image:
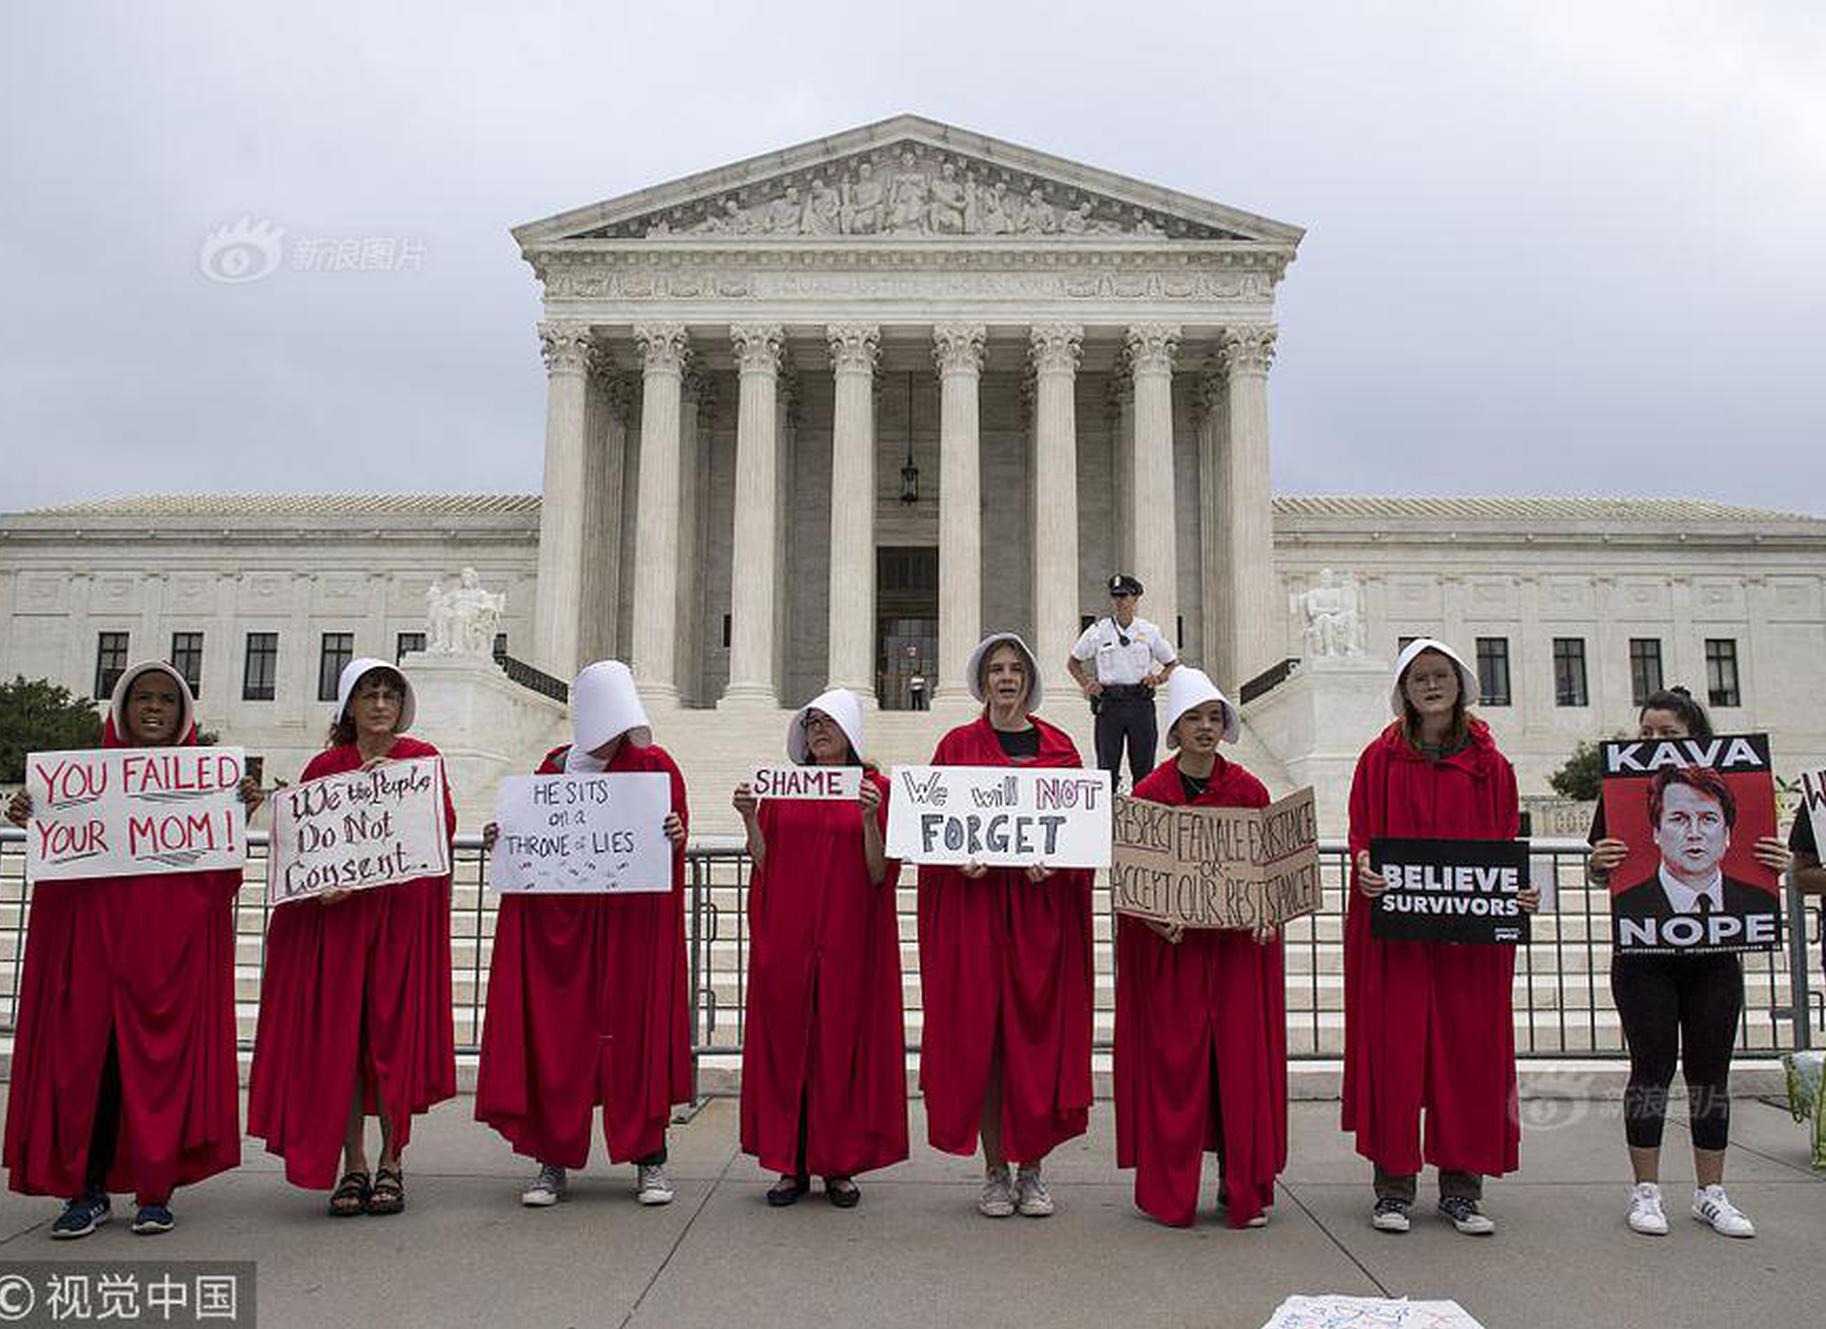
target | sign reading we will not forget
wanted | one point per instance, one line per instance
(1000, 817)
(582, 834)
(123, 811)
(1216, 867)
(361, 829)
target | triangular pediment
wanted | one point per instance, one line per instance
(904, 180)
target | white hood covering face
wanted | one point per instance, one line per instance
(117, 701)
(1188, 688)
(973, 672)
(351, 675)
(605, 705)
(1467, 676)
(838, 703)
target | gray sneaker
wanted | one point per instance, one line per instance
(652, 1185)
(998, 1193)
(1031, 1196)
(1466, 1216)
(547, 1188)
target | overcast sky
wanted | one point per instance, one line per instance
(1551, 248)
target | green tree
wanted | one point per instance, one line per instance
(39, 716)
(1579, 777)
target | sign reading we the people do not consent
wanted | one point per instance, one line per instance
(813, 782)
(120, 811)
(1216, 867)
(1450, 890)
(360, 829)
(582, 834)
(1000, 817)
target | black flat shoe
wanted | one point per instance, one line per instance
(787, 1190)
(842, 1192)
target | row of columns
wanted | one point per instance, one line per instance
(1240, 604)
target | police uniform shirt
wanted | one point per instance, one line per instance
(1119, 665)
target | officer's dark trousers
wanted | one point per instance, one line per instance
(1126, 717)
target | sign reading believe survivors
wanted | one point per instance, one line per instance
(1216, 867)
(121, 811)
(359, 829)
(582, 834)
(1000, 817)
(1450, 890)
(806, 782)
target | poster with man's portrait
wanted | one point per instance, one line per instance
(1691, 811)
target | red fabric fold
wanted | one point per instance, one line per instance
(824, 1026)
(1201, 1045)
(587, 1008)
(360, 988)
(1429, 1025)
(1005, 963)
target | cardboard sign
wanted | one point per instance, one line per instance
(119, 812)
(582, 834)
(358, 830)
(1691, 811)
(1451, 890)
(1813, 802)
(1216, 867)
(1000, 817)
(829, 783)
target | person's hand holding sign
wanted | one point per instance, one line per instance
(1528, 899)
(869, 795)
(1771, 853)
(674, 829)
(252, 795)
(490, 833)
(1171, 933)
(974, 870)
(1371, 882)
(19, 809)
(1038, 872)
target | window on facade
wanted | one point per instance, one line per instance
(1569, 672)
(407, 644)
(187, 658)
(1493, 670)
(500, 645)
(1402, 643)
(1644, 668)
(260, 671)
(110, 662)
(1721, 672)
(338, 650)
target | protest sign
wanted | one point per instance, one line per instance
(1216, 867)
(1691, 811)
(1334, 1311)
(1450, 890)
(1000, 817)
(1813, 803)
(123, 811)
(357, 830)
(582, 834)
(809, 782)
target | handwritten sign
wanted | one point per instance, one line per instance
(358, 830)
(582, 834)
(1450, 890)
(809, 782)
(1340, 1312)
(1813, 802)
(1000, 817)
(124, 811)
(1216, 867)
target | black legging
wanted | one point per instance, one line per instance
(104, 1135)
(1686, 1008)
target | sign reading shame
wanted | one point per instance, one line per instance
(808, 782)
(1000, 816)
(1450, 890)
(582, 834)
(359, 829)
(1207, 867)
(122, 811)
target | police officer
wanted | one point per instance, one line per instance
(1131, 658)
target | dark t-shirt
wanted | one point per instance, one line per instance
(1193, 785)
(1020, 744)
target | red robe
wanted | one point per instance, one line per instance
(586, 1006)
(360, 987)
(824, 1025)
(149, 960)
(1429, 1024)
(1005, 964)
(1213, 1005)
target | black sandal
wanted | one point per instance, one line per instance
(787, 1190)
(351, 1195)
(842, 1192)
(389, 1193)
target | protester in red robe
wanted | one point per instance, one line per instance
(586, 993)
(355, 1007)
(1428, 1025)
(124, 1055)
(1201, 1013)
(824, 1081)
(1005, 966)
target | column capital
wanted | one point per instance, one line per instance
(855, 347)
(1151, 347)
(1247, 348)
(566, 346)
(1056, 347)
(757, 347)
(663, 347)
(957, 348)
(621, 392)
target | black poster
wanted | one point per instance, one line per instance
(1451, 890)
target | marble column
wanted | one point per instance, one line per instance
(854, 348)
(751, 591)
(663, 348)
(1151, 347)
(958, 350)
(697, 405)
(1210, 419)
(567, 348)
(1055, 349)
(1254, 627)
(604, 477)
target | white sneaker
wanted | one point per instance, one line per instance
(652, 1185)
(1645, 1215)
(998, 1194)
(547, 1188)
(1712, 1206)
(1031, 1196)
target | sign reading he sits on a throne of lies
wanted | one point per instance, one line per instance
(582, 834)
(1216, 867)
(119, 811)
(1450, 890)
(1000, 817)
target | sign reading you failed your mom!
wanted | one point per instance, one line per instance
(1000, 817)
(122, 811)
(1205, 867)
(360, 829)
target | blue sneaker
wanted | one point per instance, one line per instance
(81, 1216)
(153, 1219)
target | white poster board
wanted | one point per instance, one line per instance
(582, 834)
(1337, 1312)
(116, 812)
(829, 783)
(358, 830)
(1000, 816)
(1813, 803)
